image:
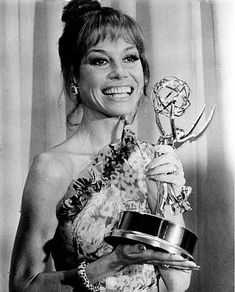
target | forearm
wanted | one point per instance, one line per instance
(66, 281)
(176, 280)
(63, 281)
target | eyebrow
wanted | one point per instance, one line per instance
(94, 50)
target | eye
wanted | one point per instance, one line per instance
(131, 58)
(98, 61)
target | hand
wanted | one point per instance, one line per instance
(130, 254)
(166, 167)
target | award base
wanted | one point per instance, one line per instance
(155, 232)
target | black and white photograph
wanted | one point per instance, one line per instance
(117, 145)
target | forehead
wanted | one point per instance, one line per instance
(116, 45)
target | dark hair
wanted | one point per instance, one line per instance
(86, 24)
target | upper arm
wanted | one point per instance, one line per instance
(47, 181)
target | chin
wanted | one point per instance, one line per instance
(122, 110)
(120, 113)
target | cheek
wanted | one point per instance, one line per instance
(89, 82)
(139, 76)
(89, 91)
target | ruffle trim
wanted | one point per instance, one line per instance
(104, 169)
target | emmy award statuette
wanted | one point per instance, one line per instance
(170, 98)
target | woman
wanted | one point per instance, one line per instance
(101, 170)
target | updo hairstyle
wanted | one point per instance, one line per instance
(86, 24)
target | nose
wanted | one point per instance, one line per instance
(117, 71)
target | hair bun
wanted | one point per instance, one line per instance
(77, 8)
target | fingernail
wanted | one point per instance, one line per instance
(150, 174)
(142, 247)
(196, 268)
(148, 166)
(179, 258)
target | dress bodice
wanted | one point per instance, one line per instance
(113, 182)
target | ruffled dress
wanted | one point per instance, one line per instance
(114, 181)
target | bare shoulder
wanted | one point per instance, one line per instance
(52, 165)
(47, 181)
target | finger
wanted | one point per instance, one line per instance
(188, 267)
(196, 268)
(177, 180)
(136, 248)
(130, 251)
(161, 149)
(163, 257)
(166, 266)
(169, 159)
(168, 168)
(163, 159)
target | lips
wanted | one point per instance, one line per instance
(119, 92)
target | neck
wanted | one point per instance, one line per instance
(100, 129)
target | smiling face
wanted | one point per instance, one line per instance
(111, 78)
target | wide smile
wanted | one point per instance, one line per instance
(120, 92)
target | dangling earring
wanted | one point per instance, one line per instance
(74, 89)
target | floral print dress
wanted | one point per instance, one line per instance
(113, 182)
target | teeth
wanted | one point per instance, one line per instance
(118, 90)
(120, 95)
